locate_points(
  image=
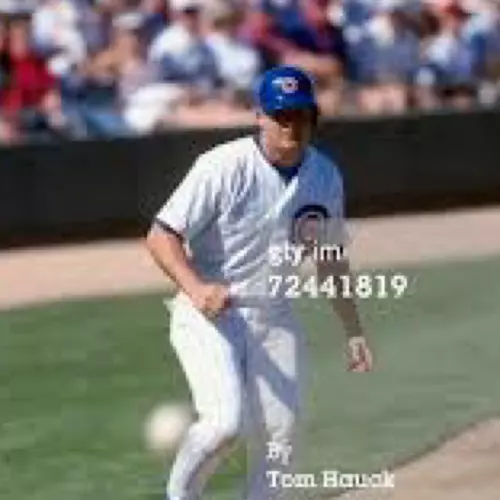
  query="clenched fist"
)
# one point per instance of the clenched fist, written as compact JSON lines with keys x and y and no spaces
{"x":210,"y":299}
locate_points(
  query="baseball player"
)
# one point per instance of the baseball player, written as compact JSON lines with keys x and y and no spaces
{"x":240,"y":345}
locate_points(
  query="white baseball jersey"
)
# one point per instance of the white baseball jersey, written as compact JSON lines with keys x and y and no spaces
{"x":233,"y":205}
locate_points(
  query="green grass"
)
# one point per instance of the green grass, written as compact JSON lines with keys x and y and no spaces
{"x":77,"y":378}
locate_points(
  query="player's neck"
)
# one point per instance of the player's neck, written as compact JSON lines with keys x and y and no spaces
{"x":277,"y":157}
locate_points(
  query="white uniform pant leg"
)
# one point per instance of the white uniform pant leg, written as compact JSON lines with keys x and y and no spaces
{"x":274,"y":376}
{"x":212,"y":365}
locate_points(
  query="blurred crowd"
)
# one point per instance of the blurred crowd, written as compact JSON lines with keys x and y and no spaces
{"x":74,"y":69}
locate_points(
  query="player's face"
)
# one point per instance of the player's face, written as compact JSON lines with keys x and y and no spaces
{"x":288,"y":131}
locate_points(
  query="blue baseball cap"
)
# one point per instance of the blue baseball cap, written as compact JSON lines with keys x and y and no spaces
{"x":285,"y":87}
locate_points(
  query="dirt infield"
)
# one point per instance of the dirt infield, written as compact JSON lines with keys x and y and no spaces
{"x":465,"y":468}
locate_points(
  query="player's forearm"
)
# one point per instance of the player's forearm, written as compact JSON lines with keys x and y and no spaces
{"x":347,"y":311}
{"x":170,"y":255}
{"x":344,"y":306}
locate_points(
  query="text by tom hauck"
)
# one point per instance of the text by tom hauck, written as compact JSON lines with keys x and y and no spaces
{"x":279,"y":454}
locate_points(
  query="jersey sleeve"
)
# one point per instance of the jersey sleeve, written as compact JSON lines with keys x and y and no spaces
{"x":195,"y":202}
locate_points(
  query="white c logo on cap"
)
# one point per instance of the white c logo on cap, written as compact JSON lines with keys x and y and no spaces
{"x":287,"y":84}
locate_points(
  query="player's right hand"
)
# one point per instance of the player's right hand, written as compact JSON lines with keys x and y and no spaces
{"x":210,"y":299}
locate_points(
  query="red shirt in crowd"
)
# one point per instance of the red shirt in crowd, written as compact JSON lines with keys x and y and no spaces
{"x":28,"y":82}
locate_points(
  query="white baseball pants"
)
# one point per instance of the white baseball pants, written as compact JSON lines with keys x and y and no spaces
{"x":243,"y":371}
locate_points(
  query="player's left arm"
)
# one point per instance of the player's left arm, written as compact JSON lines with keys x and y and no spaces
{"x":359,"y":354}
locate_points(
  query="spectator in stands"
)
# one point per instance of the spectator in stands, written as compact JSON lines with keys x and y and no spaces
{"x":156,"y":18}
{"x":267,"y":26}
{"x":450,"y":62}
{"x":352,"y":15}
{"x":300,"y":32}
{"x":98,"y":27}
{"x":238,"y":63}
{"x":9,"y":132}
{"x":108,"y":67}
{"x":56,"y":34}
{"x":94,"y":24}
{"x":182,"y":51}
{"x":484,"y":33}
{"x":125,"y":61}
{"x":109,"y":80}
{"x":30,"y":100}
{"x":491,"y":47}
{"x":146,"y":103}
{"x":386,"y":59}
{"x":29,"y":79}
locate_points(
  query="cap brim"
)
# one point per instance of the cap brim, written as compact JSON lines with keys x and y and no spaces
{"x":291,"y":103}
